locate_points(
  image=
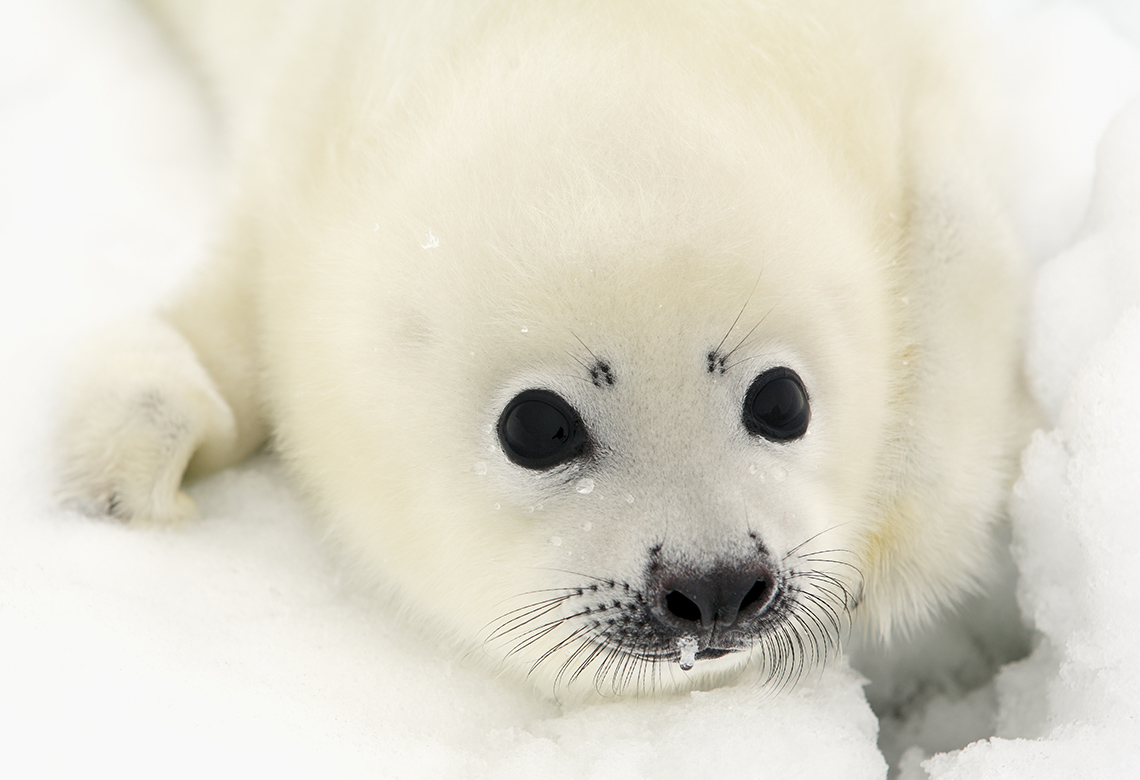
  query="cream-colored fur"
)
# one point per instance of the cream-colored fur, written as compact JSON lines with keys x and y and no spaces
{"x":443,"y":204}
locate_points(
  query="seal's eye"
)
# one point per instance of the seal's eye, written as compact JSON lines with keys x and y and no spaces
{"x":776,"y":406}
{"x":538,"y":430}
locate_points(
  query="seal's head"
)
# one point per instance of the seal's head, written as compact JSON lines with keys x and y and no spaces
{"x":617,"y":375}
{"x":671,"y":429}
{"x":614,"y":434}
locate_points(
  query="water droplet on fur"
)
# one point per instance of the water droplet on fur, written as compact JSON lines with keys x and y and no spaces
{"x":556,"y":541}
{"x":498,"y":506}
{"x":587,"y":526}
{"x":524,"y":330}
{"x":480,"y":468}
{"x":487,"y":428}
{"x":430,"y":241}
{"x":530,"y":509}
{"x":779,"y":473}
{"x":629,"y":498}
{"x":752,"y":468}
{"x":687,"y":647}
{"x":585,"y":485}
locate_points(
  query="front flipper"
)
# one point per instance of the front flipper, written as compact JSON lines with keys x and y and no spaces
{"x":138,"y":405}
{"x":157,"y":398}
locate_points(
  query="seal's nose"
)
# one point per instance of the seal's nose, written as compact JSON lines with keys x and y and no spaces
{"x":720,"y":597}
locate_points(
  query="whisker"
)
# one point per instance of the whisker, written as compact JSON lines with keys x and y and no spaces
{"x":577,"y":359}
{"x":829,"y":612}
{"x":607,"y":581}
{"x":813,"y":559}
{"x":595,"y":357}
{"x":738,"y":316}
{"x":747,"y":336}
{"x":585,"y":611}
{"x":599,"y":648}
{"x":558,"y":646}
{"x":538,"y":634}
{"x":814,"y":537}
{"x":602,"y":627}
{"x":585,"y":642}
{"x":534,"y":610}
{"x":571,"y":594}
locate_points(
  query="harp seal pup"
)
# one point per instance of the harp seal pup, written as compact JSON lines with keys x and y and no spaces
{"x":638,"y":343}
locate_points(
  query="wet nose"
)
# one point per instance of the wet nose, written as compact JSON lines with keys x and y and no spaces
{"x":722,"y":597}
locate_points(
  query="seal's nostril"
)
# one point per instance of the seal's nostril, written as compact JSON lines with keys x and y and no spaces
{"x":756,"y":593}
{"x":682,"y":606}
{"x":717,"y":598}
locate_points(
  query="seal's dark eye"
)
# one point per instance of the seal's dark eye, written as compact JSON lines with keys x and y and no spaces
{"x":538,"y":430}
{"x":776,"y":406}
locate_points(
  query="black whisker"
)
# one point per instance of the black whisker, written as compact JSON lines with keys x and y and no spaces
{"x":558,"y":646}
{"x":595,"y":357}
{"x":603,"y":627}
{"x":533,"y":612}
{"x":812,"y":538}
{"x":586,"y":642}
{"x":748,"y":335}
{"x":739,"y":314}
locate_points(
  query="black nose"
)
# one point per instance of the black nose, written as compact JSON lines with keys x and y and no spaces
{"x":721,"y":596}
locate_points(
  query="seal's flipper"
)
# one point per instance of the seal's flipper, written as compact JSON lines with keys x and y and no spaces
{"x":153,"y":399}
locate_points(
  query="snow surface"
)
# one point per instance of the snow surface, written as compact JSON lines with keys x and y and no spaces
{"x":236,"y":645}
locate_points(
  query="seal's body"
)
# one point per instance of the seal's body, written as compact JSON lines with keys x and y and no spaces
{"x":634,"y":340}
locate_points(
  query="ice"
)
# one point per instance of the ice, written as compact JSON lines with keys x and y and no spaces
{"x":239,"y":646}
{"x":687,"y":647}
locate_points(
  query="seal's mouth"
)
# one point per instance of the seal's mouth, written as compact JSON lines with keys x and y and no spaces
{"x":622,"y":635}
{"x":689,"y":650}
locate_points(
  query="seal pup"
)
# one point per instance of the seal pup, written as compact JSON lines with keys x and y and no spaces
{"x":638,"y":343}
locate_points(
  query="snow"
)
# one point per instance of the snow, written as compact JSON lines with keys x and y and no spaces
{"x":1075,"y":535}
{"x":237,"y":645}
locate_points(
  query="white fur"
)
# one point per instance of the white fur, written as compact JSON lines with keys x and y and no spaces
{"x":442,"y":204}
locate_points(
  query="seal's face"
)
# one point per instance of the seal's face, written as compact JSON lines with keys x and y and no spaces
{"x":664,"y":432}
{"x":694,"y":597}
{"x":678,"y":489}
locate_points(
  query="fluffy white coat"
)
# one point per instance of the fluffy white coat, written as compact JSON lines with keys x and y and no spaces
{"x":439,"y":205}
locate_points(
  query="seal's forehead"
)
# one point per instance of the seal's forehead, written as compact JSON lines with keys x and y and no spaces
{"x":656,"y":244}
{"x":781,"y":278}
